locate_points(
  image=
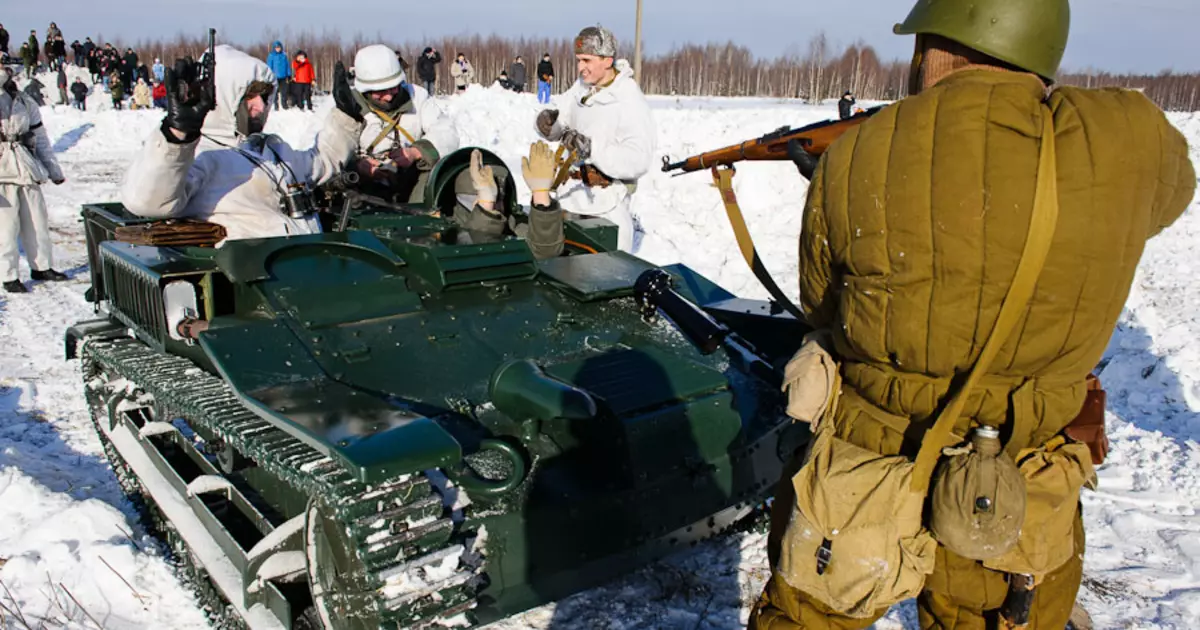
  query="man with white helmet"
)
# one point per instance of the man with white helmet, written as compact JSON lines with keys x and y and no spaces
{"x":26,"y":161}
{"x":406,"y":132}
{"x":607,"y":125}
{"x":210,"y":160}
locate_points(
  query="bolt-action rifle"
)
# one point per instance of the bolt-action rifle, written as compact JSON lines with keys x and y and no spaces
{"x":814,"y":139}
{"x":802,"y":146}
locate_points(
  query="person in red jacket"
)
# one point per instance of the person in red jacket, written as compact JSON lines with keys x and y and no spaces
{"x":159,"y":95}
{"x":302,"y":80}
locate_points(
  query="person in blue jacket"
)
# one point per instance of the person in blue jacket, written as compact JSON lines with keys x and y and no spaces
{"x":281,"y":66}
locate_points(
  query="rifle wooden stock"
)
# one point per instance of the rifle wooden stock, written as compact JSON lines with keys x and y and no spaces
{"x":814,"y":139}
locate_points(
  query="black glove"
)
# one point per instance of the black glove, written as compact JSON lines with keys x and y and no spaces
{"x":579,"y":143}
{"x":343,"y":96}
{"x":545,"y":122}
{"x":805,"y":162}
{"x":187,"y":102}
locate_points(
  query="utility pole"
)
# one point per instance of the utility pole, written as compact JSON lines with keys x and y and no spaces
{"x":637,"y":45}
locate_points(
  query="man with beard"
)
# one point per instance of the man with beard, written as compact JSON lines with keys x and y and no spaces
{"x":26,"y":162}
{"x":406,"y":132}
{"x":210,"y":160}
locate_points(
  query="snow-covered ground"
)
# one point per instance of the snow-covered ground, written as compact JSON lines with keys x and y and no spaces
{"x":72,"y":552}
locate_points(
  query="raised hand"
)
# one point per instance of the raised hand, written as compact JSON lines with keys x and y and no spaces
{"x":538,"y":169}
{"x":343,"y":95}
{"x":483,"y":178}
{"x":188,"y":102}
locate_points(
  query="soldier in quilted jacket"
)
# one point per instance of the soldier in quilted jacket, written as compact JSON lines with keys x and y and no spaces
{"x":913,"y":228}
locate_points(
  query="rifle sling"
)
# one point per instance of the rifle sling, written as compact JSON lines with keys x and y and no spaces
{"x":1037,"y":246}
{"x":723,"y":177}
{"x":564,"y":159}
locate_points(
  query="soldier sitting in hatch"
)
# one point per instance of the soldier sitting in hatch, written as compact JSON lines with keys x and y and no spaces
{"x":485,"y":222}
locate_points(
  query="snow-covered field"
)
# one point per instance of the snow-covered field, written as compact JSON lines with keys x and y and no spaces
{"x":72,"y":553}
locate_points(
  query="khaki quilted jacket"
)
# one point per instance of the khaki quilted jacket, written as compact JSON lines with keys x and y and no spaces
{"x":915,"y":223}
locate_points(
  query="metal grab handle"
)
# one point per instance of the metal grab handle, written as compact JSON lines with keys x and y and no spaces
{"x":467,"y":478}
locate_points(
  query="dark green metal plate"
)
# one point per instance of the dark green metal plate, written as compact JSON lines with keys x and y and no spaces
{"x":595,"y":276}
{"x":274,"y":375}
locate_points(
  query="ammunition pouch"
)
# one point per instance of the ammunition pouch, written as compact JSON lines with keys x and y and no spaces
{"x":1088,"y":426}
{"x":591,"y":176}
{"x":1054,"y":474}
{"x":811,"y":378}
{"x":172,"y":233}
{"x":855,"y":539}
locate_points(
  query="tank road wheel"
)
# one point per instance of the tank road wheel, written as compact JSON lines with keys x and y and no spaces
{"x":335,"y":575}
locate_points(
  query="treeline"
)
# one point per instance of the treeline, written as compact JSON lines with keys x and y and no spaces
{"x":815,"y":72}
{"x":1173,"y":92}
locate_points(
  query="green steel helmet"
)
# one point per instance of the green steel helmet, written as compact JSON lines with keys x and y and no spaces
{"x":1029,"y":34}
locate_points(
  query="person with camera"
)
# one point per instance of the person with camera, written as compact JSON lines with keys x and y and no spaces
{"x":26,"y":162}
{"x":427,"y":68}
{"x":463,"y":73}
{"x":210,"y":160}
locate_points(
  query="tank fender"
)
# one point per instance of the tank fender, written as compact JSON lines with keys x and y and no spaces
{"x":93,"y":328}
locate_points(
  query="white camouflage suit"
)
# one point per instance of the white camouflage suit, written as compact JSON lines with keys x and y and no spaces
{"x":617,"y":120}
{"x":209,"y":180}
{"x":26,"y":161}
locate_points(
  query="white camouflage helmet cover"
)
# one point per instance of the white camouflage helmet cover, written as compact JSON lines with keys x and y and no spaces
{"x":235,"y":72}
{"x":377,"y":68}
{"x":596,"y":40}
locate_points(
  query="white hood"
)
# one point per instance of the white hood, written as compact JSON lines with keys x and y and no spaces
{"x":235,"y":72}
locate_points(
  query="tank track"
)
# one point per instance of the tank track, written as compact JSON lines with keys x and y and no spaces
{"x":208,"y":597}
{"x":396,"y":530}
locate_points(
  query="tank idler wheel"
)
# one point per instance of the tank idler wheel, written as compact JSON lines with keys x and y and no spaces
{"x":340,"y":599}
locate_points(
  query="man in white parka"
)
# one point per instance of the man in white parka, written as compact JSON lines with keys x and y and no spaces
{"x":406,"y":132}
{"x":26,"y":161}
{"x":211,"y":161}
{"x":606,"y":121}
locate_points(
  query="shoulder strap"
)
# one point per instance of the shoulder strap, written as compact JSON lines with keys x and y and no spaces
{"x":1033,"y":257}
{"x":390,"y":124}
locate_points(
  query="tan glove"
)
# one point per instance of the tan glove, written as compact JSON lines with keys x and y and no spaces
{"x":483,"y":178}
{"x":538,"y":168}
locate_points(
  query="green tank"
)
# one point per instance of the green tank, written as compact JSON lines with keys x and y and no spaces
{"x":392,"y":426}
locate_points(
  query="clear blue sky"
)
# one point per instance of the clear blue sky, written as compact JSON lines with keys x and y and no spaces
{"x":1115,"y":35}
